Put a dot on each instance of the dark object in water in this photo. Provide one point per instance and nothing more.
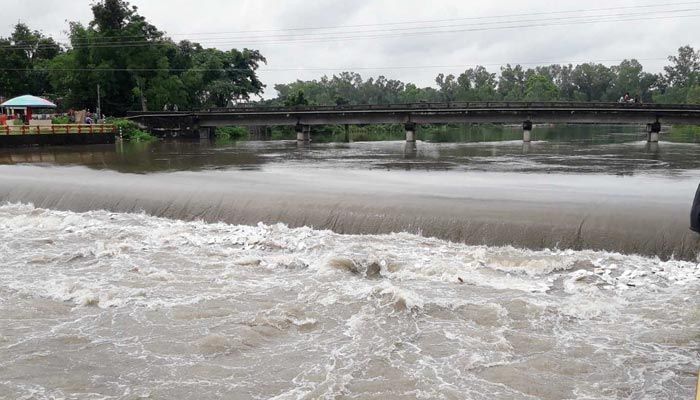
(695, 213)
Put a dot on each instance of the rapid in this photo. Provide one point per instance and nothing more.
(557, 270)
(130, 306)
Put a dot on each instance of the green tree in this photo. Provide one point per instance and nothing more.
(693, 96)
(448, 87)
(684, 69)
(138, 67)
(630, 77)
(297, 99)
(511, 83)
(23, 57)
(676, 85)
(540, 88)
(592, 81)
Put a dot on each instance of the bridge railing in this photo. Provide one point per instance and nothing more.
(474, 105)
(461, 105)
(77, 129)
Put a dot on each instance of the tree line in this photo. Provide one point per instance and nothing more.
(136, 66)
(679, 83)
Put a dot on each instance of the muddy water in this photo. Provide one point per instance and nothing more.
(504, 278)
(615, 197)
(105, 305)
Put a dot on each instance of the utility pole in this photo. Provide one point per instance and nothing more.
(99, 104)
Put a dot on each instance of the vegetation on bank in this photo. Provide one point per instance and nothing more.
(679, 83)
(130, 130)
(138, 67)
(60, 120)
(231, 133)
(684, 134)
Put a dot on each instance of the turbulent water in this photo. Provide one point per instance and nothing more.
(102, 305)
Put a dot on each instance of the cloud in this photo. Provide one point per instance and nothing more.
(213, 22)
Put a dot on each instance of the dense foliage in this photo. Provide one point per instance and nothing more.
(679, 83)
(135, 64)
(232, 133)
(130, 130)
(139, 68)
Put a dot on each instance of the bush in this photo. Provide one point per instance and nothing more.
(140, 136)
(232, 133)
(684, 134)
(130, 130)
(60, 120)
(282, 133)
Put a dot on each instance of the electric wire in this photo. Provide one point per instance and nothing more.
(321, 69)
(578, 11)
(388, 33)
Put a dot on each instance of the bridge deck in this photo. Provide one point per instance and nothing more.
(427, 113)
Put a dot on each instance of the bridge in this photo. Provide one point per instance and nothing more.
(414, 114)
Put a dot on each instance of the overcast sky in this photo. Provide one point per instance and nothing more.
(376, 38)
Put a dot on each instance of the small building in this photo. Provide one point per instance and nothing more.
(33, 110)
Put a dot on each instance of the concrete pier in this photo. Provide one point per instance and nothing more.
(410, 132)
(303, 133)
(410, 150)
(206, 133)
(527, 131)
(653, 132)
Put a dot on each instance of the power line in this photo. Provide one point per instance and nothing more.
(572, 19)
(325, 38)
(405, 34)
(329, 68)
(106, 42)
(441, 20)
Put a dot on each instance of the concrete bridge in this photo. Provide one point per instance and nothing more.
(411, 115)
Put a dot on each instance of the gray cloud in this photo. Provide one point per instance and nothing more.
(645, 39)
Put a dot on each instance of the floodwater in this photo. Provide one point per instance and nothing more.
(563, 269)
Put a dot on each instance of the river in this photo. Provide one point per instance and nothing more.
(562, 269)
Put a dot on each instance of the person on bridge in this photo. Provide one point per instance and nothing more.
(627, 97)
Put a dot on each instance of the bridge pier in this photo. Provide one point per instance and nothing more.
(410, 150)
(653, 132)
(205, 133)
(303, 133)
(527, 131)
(410, 132)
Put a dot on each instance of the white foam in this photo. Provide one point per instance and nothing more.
(427, 313)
